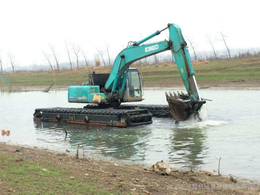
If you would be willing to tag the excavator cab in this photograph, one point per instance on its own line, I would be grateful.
(134, 90)
(95, 88)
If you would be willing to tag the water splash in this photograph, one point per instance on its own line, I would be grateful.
(193, 122)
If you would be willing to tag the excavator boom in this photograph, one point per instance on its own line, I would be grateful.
(136, 51)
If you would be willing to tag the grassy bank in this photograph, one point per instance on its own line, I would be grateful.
(35, 171)
(27, 176)
(208, 73)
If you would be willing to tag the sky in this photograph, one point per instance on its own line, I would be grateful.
(29, 27)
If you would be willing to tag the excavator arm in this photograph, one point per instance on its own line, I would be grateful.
(181, 106)
(136, 51)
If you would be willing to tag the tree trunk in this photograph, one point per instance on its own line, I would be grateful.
(85, 58)
(55, 57)
(214, 51)
(1, 64)
(68, 52)
(223, 38)
(102, 57)
(108, 55)
(53, 75)
(11, 61)
(193, 49)
(76, 51)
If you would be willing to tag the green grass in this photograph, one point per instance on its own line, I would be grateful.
(29, 177)
(215, 70)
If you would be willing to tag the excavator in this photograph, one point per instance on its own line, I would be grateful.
(104, 93)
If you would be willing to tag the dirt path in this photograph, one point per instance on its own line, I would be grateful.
(121, 178)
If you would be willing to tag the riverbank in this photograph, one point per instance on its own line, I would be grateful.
(207, 85)
(214, 73)
(32, 170)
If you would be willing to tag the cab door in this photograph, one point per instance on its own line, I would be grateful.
(133, 90)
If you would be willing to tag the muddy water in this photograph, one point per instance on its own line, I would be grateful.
(230, 129)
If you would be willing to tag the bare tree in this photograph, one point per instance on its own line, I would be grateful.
(108, 54)
(146, 62)
(11, 58)
(155, 59)
(68, 52)
(76, 51)
(85, 57)
(193, 49)
(1, 64)
(101, 55)
(55, 57)
(224, 40)
(97, 60)
(49, 62)
(48, 59)
(211, 43)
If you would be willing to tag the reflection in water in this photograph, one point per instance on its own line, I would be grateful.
(111, 142)
(185, 146)
(188, 147)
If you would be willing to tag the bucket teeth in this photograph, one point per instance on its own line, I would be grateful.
(179, 95)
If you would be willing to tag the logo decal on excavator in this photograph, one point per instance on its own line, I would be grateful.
(152, 48)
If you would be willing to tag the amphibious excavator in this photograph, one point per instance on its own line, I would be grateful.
(104, 93)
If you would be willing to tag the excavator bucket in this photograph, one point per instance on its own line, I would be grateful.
(182, 107)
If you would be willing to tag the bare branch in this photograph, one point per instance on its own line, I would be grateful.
(76, 51)
(224, 40)
(11, 58)
(1, 64)
(101, 55)
(68, 52)
(213, 48)
(97, 60)
(48, 60)
(108, 55)
(193, 49)
(55, 57)
(85, 57)
(155, 59)
(53, 75)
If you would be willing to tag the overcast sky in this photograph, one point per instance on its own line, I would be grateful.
(28, 27)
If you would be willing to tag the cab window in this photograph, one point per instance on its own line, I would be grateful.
(134, 84)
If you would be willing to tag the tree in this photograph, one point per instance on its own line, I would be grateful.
(76, 51)
(155, 59)
(101, 55)
(193, 49)
(55, 57)
(68, 52)
(53, 75)
(1, 64)
(11, 58)
(108, 55)
(85, 57)
(213, 48)
(224, 40)
(97, 60)
(48, 60)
